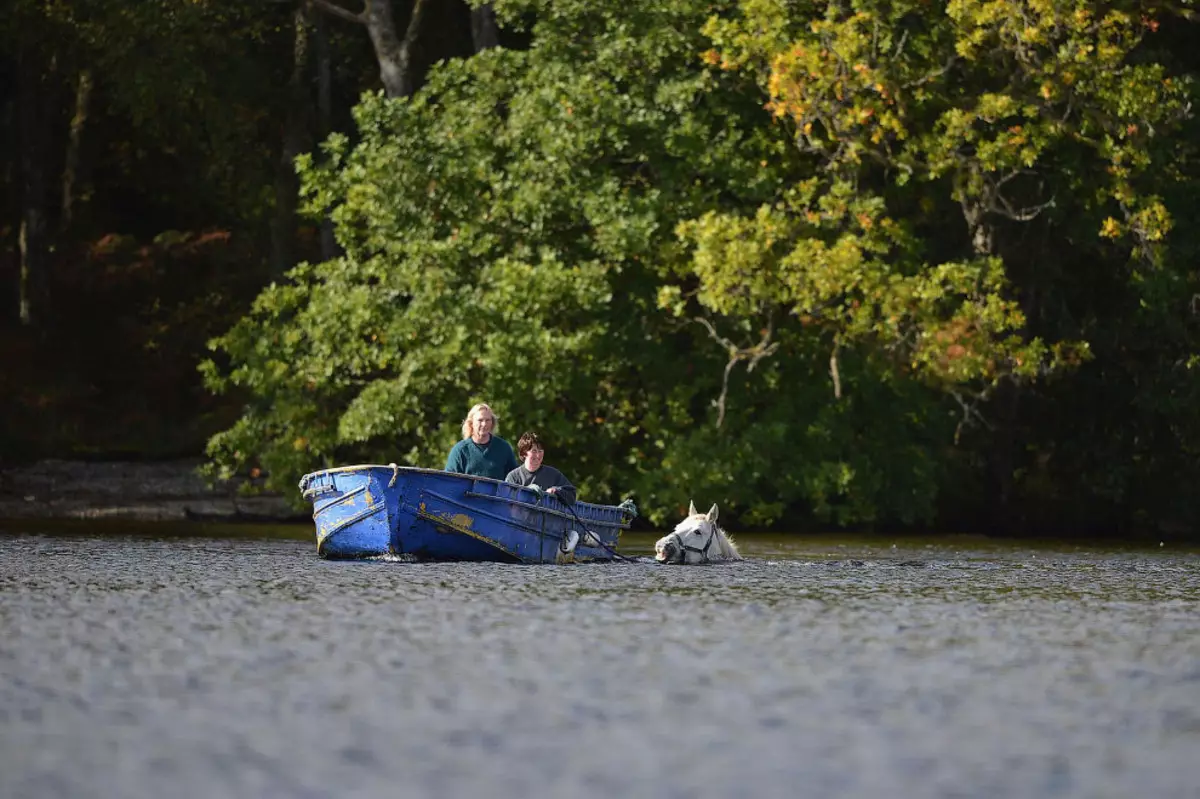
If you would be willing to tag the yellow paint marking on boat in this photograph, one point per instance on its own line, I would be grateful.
(460, 523)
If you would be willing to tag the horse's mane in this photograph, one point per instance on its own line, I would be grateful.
(728, 548)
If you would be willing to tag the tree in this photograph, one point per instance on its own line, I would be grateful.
(395, 54)
(1023, 115)
(504, 229)
(885, 215)
(144, 157)
(66, 55)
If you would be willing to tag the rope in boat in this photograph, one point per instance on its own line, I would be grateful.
(626, 506)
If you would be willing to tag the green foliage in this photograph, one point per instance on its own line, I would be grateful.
(508, 234)
(503, 233)
(1022, 115)
(787, 256)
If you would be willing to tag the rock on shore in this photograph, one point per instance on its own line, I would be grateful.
(162, 491)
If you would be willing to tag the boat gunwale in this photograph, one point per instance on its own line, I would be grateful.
(622, 524)
(365, 513)
(511, 522)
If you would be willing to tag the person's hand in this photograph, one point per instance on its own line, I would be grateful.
(552, 490)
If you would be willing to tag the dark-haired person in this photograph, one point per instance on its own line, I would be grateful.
(533, 472)
(481, 452)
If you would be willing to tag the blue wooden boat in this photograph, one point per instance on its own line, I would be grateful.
(365, 511)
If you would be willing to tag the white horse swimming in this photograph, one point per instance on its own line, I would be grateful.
(696, 539)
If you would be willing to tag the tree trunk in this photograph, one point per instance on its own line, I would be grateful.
(70, 176)
(33, 96)
(1001, 457)
(1003, 516)
(393, 53)
(329, 247)
(393, 57)
(296, 140)
(485, 33)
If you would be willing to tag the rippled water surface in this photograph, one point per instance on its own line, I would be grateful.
(144, 666)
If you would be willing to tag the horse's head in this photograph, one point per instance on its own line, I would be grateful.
(696, 539)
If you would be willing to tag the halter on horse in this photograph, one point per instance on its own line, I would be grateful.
(694, 540)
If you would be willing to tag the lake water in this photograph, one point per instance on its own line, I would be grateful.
(144, 665)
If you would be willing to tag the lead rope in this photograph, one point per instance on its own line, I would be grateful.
(600, 542)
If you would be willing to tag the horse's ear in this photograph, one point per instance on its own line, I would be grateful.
(712, 513)
(692, 508)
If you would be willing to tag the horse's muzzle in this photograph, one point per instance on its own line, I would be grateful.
(668, 550)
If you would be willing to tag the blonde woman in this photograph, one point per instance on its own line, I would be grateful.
(481, 452)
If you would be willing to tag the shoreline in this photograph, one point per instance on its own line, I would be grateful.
(137, 491)
(172, 491)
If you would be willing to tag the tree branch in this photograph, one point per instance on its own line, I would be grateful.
(833, 370)
(754, 354)
(970, 409)
(928, 76)
(338, 11)
(414, 24)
